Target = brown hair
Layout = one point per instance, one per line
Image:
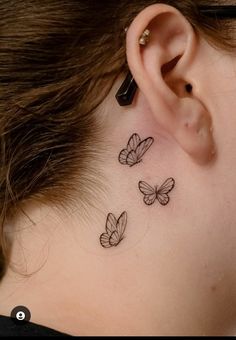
(58, 61)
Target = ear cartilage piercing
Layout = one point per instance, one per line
(126, 92)
(145, 37)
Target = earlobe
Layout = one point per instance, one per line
(160, 62)
(193, 131)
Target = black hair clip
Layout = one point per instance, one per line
(126, 92)
(219, 12)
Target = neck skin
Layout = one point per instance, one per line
(172, 274)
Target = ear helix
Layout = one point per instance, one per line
(128, 89)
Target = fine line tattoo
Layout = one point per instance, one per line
(136, 148)
(161, 194)
(114, 230)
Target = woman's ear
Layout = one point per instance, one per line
(161, 69)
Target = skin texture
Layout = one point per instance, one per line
(174, 271)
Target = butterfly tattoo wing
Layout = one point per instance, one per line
(135, 150)
(105, 240)
(162, 193)
(111, 224)
(135, 156)
(121, 224)
(131, 146)
(133, 142)
(114, 230)
(143, 147)
(123, 156)
(110, 228)
(149, 193)
(117, 236)
(132, 158)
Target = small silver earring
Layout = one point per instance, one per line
(145, 37)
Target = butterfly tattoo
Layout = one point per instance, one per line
(114, 230)
(161, 194)
(136, 148)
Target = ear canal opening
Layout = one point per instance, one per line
(166, 68)
(189, 88)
